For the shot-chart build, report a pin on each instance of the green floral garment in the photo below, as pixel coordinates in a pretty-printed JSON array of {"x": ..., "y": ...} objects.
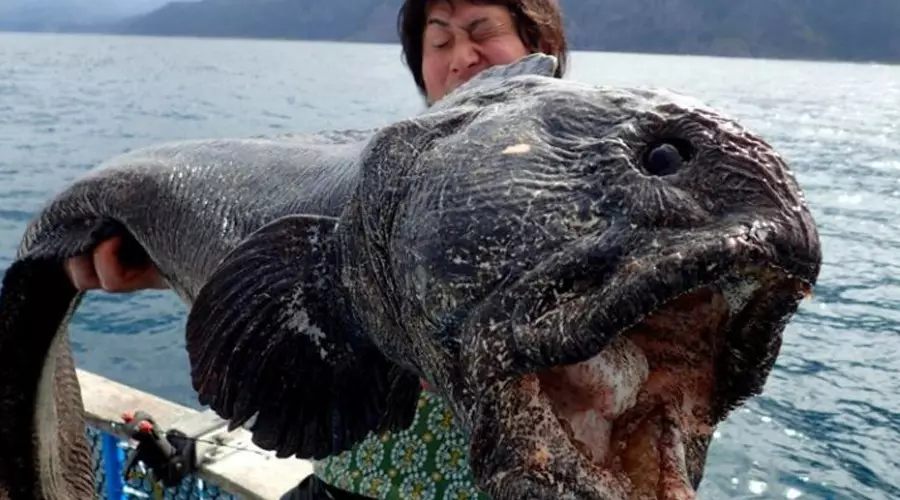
[{"x": 428, "y": 461}]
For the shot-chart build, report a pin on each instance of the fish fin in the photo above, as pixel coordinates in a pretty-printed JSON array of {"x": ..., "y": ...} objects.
[
  {"x": 36, "y": 303},
  {"x": 270, "y": 337},
  {"x": 536, "y": 64}
]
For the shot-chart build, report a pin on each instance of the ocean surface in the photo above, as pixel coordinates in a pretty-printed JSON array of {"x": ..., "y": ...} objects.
[{"x": 828, "y": 425}]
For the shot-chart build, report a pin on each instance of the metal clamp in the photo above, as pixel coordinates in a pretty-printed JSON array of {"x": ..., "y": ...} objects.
[{"x": 170, "y": 456}]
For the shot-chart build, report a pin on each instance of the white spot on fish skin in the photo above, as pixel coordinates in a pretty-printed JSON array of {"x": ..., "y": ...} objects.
[
  {"x": 738, "y": 294},
  {"x": 297, "y": 319},
  {"x": 517, "y": 149}
]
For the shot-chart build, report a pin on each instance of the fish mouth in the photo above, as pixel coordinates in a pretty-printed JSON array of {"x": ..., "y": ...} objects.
[{"x": 633, "y": 417}]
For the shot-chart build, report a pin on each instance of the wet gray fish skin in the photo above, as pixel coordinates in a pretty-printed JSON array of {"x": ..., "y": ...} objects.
[
  {"x": 181, "y": 206},
  {"x": 504, "y": 179},
  {"x": 524, "y": 231},
  {"x": 216, "y": 192},
  {"x": 523, "y": 222}
]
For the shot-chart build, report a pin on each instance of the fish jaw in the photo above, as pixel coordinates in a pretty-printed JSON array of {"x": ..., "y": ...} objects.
[
  {"x": 518, "y": 247},
  {"x": 613, "y": 393}
]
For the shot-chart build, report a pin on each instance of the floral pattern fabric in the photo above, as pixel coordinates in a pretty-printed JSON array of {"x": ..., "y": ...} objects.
[{"x": 427, "y": 461}]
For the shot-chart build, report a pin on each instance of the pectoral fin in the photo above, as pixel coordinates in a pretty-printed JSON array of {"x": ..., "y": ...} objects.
[{"x": 270, "y": 336}]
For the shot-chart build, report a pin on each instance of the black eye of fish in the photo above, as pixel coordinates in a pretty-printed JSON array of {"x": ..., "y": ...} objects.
[{"x": 666, "y": 157}]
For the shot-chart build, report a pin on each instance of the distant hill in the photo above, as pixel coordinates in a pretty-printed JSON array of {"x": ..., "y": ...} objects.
[
  {"x": 64, "y": 15},
  {"x": 857, "y": 30},
  {"x": 357, "y": 20}
]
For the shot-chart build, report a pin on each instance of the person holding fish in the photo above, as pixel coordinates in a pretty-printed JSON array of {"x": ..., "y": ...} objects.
[{"x": 445, "y": 43}]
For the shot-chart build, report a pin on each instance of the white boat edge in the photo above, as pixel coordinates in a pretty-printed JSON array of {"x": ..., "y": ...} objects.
[{"x": 248, "y": 472}]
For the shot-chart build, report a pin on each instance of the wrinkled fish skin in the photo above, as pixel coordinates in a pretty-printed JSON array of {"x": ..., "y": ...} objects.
[
  {"x": 181, "y": 206},
  {"x": 521, "y": 223},
  {"x": 525, "y": 231}
]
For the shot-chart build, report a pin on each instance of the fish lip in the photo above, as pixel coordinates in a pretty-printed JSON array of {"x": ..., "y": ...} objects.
[
  {"x": 786, "y": 268},
  {"x": 643, "y": 281},
  {"x": 776, "y": 259}
]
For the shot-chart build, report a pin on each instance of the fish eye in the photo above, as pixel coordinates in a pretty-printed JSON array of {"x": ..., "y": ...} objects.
[{"x": 666, "y": 156}]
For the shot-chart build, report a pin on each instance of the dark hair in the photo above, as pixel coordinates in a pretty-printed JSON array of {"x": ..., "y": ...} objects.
[{"x": 539, "y": 23}]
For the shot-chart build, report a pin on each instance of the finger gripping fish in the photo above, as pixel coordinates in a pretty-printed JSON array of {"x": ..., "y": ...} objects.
[
  {"x": 180, "y": 207},
  {"x": 591, "y": 277}
]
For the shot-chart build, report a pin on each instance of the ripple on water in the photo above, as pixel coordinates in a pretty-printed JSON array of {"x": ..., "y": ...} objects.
[{"x": 827, "y": 424}]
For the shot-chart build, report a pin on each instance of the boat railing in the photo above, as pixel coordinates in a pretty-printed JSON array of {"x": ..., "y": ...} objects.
[{"x": 230, "y": 466}]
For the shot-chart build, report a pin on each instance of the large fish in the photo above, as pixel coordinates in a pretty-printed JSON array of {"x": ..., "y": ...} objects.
[
  {"x": 181, "y": 206},
  {"x": 592, "y": 278}
]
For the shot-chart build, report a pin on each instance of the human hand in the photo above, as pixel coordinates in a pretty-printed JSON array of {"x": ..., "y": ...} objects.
[{"x": 103, "y": 270}]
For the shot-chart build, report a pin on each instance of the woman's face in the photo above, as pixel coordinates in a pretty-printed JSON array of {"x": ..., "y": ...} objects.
[{"x": 462, "y": 39}]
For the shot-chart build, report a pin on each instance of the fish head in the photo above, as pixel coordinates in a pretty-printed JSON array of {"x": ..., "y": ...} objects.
[{"x": 592, "y": 277}]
